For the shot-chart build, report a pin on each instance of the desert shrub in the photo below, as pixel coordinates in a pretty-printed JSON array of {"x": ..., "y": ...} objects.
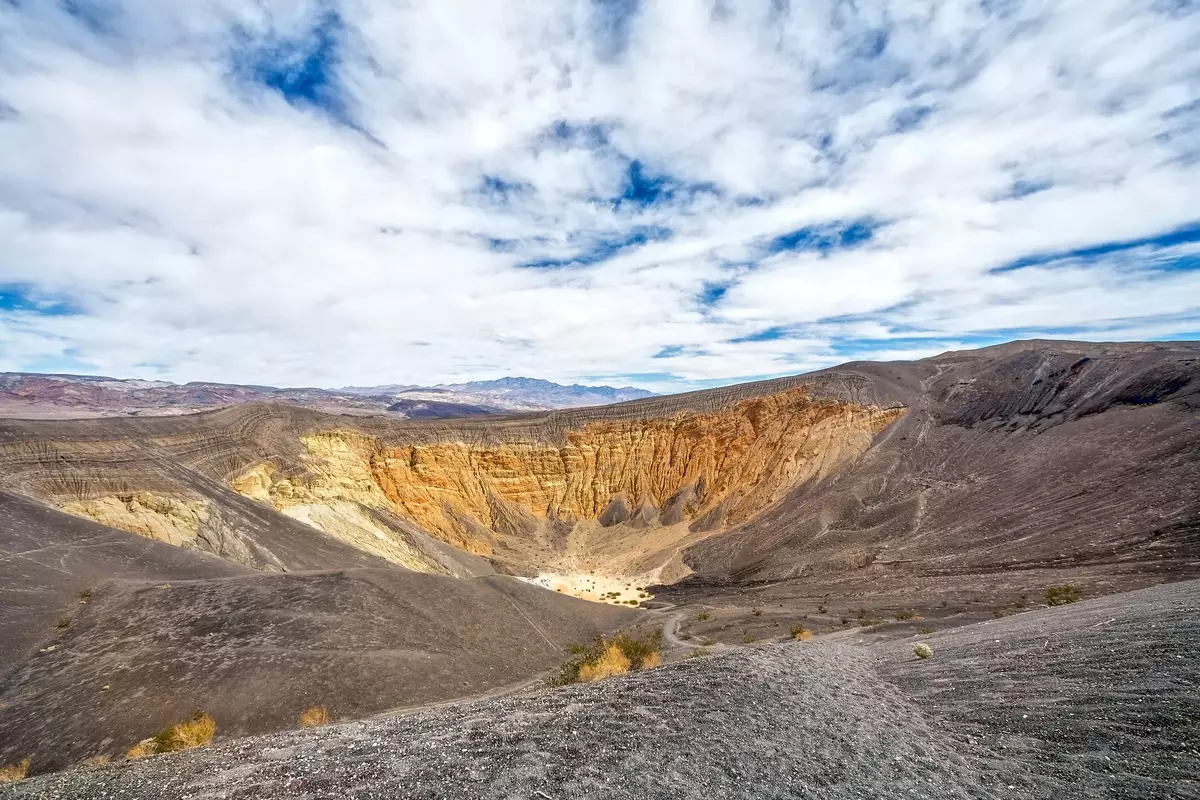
[
  {"x": 96, "y": 761},
  {"x": 923, "y": 650},
  {"x": 15, "y": 772},
  {"x": 903, "y": 615},
  {"x": 925, "y": 630},
  {"x": 1062, "y": 595},
  {"x": 702, "y": 616},
  {"x": 749, "y": 638},
  {"x": 611, "y": 662},
  {"x": 314, "y": 717},
  {"x": 195, "y": 732},
  {"x": 604, "y": 658},
  {"x": 699, "y": 652},
  {"x": 62, "y": 622},
  {"x": 85, "y": 595},
  {"x": 999, "y": 612},
  {"x": 800, "y": 633}
]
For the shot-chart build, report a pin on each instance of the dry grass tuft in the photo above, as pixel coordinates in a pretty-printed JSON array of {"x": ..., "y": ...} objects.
[
  {"x": 923, "y": 650},
  {"x": 604, "y": 658},
  {"x": 611, "y": 662},
  {"x": 196, "y": 732},
  {"x": 314, "y": 717},
  {"x": 801, "y": 634},
  {"x": 96, "y": 760},
  {"x": 15, "y": 772},
  {"x": 142, "y": 749}
]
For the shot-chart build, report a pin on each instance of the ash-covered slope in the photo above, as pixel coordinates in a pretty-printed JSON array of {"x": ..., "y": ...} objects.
[
  {"x": 255, "y": 651},
  {"x": 1093, "y": 700},
  {"x": 1034, "y": 456},
  {"x": 47, "y": 559}
]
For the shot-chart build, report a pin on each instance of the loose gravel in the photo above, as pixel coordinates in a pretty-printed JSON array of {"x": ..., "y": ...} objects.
[{"x": 1028, "y": 707}]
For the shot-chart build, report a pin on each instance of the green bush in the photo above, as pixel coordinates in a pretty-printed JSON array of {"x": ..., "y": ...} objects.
[{"x": 1062, "y": 595}]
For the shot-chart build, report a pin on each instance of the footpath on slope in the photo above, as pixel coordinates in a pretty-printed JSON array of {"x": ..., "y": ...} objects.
[{"x": 986, "y": 717}]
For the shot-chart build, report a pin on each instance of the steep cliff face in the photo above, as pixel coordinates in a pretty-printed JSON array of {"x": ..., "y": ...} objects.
[{"x": 710, "y": 469}]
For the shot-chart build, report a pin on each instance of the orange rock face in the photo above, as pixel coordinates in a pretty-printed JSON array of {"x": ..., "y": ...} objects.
[{"x": 725, "y": 467}]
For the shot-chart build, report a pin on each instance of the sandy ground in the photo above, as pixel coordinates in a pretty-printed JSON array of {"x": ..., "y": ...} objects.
[{"x": 597, "y": 588}]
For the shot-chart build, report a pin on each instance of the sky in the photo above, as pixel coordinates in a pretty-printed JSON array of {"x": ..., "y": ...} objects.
[{"x": 668, "y": 194}]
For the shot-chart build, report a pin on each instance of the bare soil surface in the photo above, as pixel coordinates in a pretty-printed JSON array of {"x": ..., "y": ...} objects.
[
  {"x": 1099, "y": 699},
  {"x": 255, "y": 651}
]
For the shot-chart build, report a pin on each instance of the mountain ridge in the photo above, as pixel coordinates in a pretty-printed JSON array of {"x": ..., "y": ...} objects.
[{"x": 32, "y": 395}]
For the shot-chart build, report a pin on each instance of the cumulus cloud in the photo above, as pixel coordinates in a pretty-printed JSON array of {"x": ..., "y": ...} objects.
[{"x": 675, "y": 193}]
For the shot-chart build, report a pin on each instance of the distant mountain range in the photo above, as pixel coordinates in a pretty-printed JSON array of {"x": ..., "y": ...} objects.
[
  {"x": 37, "y": 395},
  {"x": 511, "y": 394}
]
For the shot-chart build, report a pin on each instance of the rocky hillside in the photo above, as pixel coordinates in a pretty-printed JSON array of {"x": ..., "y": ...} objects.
[
  {"x": 987, "y": 460},
  {"x": 513, "y": 490}
]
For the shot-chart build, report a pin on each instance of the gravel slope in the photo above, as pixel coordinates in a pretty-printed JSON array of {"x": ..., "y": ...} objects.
[{"x": 1110, "y": 710}]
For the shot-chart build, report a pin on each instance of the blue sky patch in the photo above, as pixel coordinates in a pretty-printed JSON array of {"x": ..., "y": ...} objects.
[
  {"x": 498, "y": 191},
  {"x": 602, "y": 249},
  {"x": 1187, "y": 234},
  {"x": 1024, "y": 188},
  {"x": 611, "y": 25},
  {"x": 712, "y": 292},
  {"x": 644, "y": 188},
  {"x": 23, "y": 297},
  {"x": 96, "y": 17},
  {"x": 303, "y": 70},
  {"x": 824, "y": 238},
  {"x": 908, "y": 118},
  {"x": 765, "y": 335}
]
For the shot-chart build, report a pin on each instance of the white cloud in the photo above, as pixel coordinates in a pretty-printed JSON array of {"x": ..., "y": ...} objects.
[{"x": 157, "y": 183}]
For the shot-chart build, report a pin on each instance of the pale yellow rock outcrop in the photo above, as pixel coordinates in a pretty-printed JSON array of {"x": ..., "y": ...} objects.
[
  {"x": 348, "y": 522},
  {"x": 167, "y": 519}
]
